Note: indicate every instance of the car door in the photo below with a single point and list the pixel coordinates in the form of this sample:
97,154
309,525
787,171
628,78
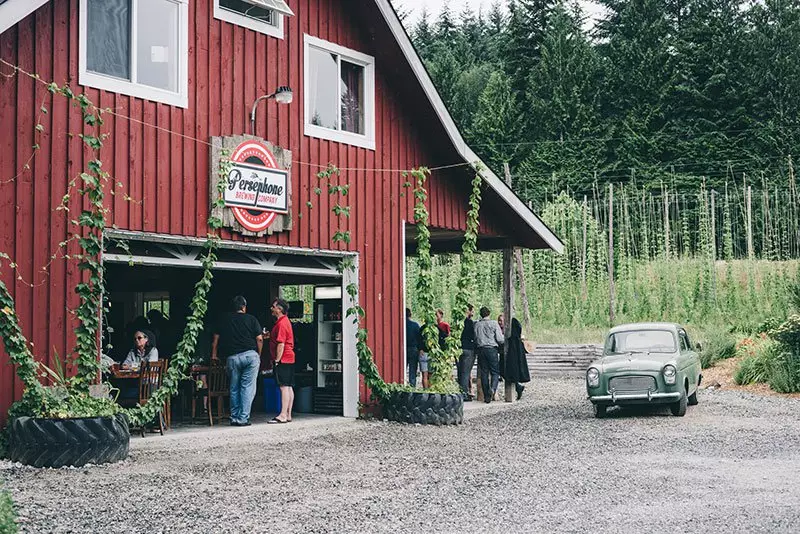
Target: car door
689,360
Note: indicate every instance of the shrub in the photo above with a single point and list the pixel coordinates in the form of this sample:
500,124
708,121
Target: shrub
757,365
8,516
785,373
718,345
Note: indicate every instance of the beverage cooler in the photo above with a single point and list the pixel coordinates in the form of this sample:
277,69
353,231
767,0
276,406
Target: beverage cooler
328,316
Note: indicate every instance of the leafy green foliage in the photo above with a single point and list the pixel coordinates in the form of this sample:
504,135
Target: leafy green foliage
440,364
757,368
464,292
8,516
654,92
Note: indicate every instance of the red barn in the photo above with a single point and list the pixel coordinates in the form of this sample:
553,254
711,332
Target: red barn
180,78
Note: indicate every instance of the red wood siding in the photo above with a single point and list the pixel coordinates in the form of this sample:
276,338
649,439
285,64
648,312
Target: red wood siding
166,174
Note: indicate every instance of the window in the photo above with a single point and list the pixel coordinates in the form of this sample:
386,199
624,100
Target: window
640,341
136,47
339,93
685,345
263,16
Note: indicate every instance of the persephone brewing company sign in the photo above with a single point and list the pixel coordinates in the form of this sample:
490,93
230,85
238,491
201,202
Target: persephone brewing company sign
257,190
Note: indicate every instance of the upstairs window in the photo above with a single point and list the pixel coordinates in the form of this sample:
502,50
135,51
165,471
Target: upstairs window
136,47
339,93
263,16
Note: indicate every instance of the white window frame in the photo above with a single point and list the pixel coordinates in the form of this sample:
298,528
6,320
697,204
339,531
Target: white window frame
351,56
273,30
131,88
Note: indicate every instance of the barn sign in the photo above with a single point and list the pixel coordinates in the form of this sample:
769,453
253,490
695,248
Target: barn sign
257,190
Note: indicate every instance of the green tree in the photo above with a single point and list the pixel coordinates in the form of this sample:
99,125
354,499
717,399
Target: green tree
637,48
708,104
774,42
498,123
564,111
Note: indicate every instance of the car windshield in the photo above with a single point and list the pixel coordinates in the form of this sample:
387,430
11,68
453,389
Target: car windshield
640,341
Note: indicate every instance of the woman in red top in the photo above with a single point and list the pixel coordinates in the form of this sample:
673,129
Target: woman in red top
281,348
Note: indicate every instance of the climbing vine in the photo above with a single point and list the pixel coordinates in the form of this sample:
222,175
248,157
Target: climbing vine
441,377
466,278
184,352
70,397
366,360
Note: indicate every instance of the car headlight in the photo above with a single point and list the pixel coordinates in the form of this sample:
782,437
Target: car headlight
593,377
670,373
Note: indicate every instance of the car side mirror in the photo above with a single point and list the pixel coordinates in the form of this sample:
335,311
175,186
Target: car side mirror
698,346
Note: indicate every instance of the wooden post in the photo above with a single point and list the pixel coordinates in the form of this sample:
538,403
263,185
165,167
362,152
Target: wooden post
584,294
750,253
713,226
508,310
509,255
611,289
666,222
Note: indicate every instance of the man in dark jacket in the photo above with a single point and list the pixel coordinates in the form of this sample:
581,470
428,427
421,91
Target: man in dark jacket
467,359
413,345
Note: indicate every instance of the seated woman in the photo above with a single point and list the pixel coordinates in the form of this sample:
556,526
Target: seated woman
143,350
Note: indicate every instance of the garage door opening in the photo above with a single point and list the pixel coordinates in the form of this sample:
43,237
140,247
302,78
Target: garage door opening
151,283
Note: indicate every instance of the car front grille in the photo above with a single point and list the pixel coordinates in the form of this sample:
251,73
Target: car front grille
625,384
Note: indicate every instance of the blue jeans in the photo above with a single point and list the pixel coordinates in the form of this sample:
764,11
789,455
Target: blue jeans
412,360
242,370
465,364
489,364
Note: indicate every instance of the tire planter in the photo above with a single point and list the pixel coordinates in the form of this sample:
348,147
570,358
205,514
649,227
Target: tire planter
68,442
424,408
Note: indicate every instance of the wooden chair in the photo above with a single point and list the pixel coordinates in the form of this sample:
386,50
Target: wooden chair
151,376
217,387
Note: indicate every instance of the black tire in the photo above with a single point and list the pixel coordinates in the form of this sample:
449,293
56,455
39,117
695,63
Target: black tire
679,408
73,442
424,408
600,410
692,400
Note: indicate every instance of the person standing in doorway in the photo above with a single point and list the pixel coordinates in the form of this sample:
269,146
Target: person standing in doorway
238,338
467,359
281,348
488,337
413,344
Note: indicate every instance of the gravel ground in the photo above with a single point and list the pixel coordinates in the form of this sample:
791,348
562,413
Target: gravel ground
732,464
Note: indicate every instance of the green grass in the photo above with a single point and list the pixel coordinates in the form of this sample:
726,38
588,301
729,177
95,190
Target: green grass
8,515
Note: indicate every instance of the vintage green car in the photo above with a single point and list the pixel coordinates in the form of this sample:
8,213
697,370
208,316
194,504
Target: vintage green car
645,363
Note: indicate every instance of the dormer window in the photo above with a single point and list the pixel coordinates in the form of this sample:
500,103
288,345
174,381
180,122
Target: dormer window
136,47
263,16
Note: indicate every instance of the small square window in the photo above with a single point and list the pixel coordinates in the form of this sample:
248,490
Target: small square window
339,94
136,47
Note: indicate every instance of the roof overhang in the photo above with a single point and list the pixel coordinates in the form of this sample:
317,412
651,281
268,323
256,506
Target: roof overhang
13,11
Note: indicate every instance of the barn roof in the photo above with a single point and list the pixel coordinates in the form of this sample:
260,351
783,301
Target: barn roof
13,11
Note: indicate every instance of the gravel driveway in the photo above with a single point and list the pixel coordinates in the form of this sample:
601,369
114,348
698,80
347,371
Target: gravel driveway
732,464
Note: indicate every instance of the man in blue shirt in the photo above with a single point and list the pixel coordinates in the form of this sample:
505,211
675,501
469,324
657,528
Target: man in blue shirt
413,344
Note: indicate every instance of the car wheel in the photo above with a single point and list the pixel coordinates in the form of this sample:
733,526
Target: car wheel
600,410
692,401
679,408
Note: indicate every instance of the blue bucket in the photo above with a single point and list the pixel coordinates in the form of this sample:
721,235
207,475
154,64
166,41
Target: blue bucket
272,396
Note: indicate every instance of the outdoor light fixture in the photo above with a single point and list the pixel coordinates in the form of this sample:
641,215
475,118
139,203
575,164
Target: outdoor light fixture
283,95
